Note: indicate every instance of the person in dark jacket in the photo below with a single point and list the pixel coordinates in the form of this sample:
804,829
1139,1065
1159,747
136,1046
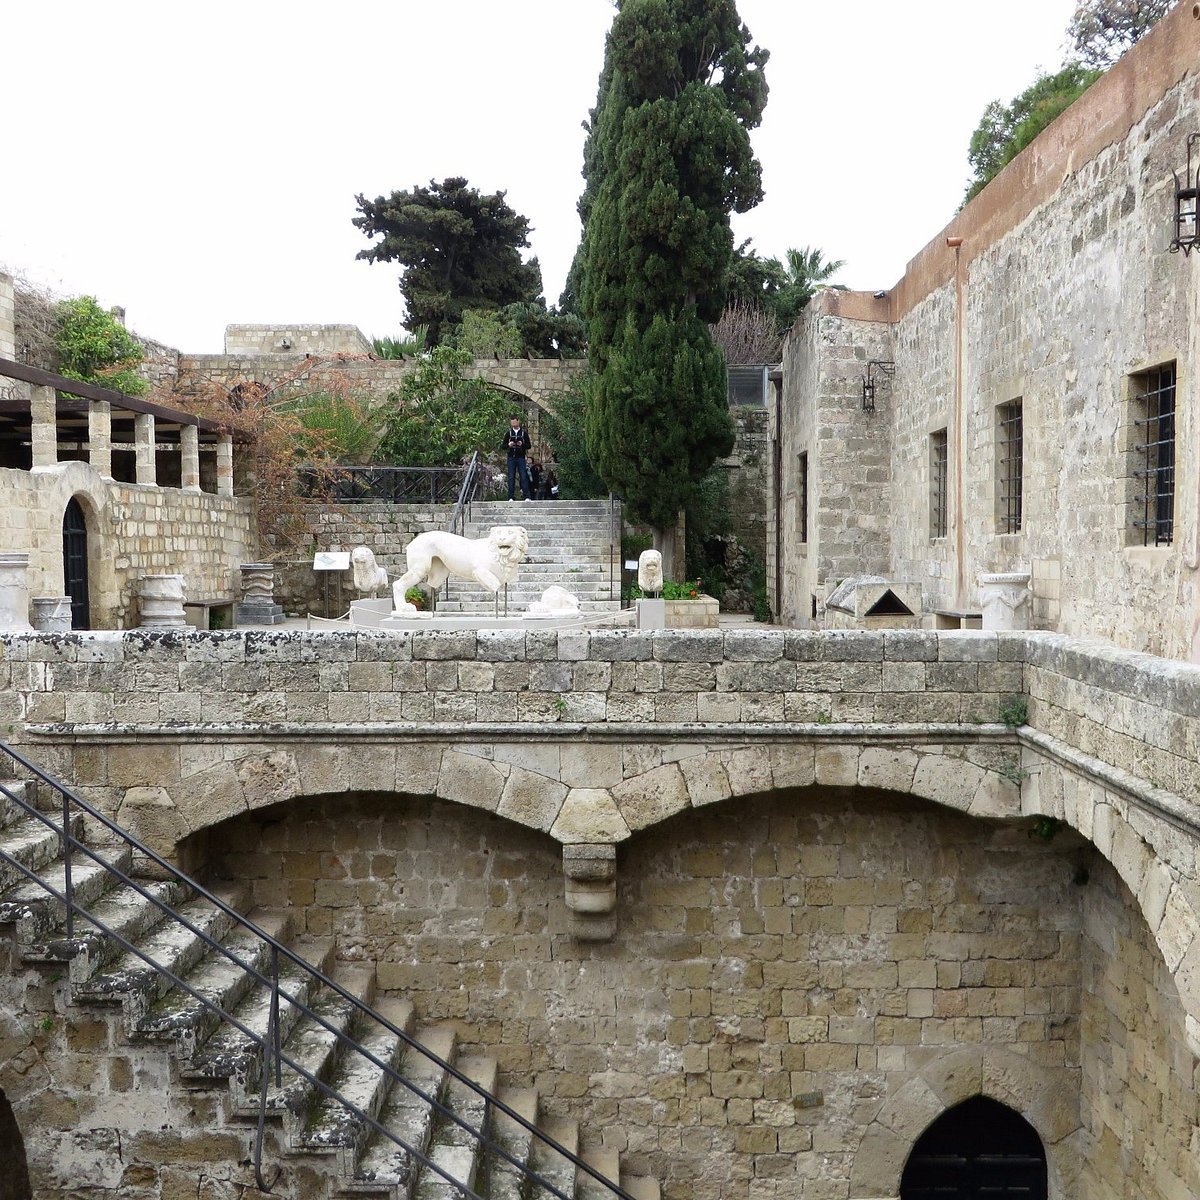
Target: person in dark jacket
517,444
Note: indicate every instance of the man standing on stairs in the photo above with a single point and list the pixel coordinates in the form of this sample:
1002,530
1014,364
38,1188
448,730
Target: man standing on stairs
517,442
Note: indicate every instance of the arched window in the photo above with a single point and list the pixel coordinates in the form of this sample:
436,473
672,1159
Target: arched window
75,564
14,1175
977,1149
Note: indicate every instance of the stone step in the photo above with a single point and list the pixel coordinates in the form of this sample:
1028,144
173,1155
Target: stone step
124,911
36,912
641,1187
552,1166
234,1057
135,985
608,1163
20,789
33,844
386,1168
312,1045
333,1128
222,981
454,1149
507,1182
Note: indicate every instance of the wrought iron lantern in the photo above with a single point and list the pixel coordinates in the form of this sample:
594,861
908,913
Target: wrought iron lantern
1187,199
870,380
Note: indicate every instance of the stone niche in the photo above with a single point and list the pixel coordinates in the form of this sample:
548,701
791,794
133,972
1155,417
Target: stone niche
872,602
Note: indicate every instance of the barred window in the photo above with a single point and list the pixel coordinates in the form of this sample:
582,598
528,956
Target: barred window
1152,456
803,498
939,467
1009,467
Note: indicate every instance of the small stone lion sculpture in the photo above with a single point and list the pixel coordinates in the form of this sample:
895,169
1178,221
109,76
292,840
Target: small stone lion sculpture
650,576
433,557
369,577
555,602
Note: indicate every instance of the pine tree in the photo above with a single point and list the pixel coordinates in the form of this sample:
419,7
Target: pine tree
667,159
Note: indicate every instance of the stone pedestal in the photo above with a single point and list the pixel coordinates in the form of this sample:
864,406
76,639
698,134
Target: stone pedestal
651,614
1004,599
14,592
52,614
257,606
161,602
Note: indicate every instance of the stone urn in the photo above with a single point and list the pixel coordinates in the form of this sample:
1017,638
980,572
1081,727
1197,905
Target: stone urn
1005,599
257,606
14,592
161,599
52,614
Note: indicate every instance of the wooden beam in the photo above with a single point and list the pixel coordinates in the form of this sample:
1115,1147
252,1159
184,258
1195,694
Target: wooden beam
89,391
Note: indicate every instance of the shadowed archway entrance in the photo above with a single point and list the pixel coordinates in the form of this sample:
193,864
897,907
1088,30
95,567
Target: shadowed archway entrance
14,1174
977,1150
75,564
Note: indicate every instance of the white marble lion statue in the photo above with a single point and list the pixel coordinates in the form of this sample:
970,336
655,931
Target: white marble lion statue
369,577
555,602
650,572
433,557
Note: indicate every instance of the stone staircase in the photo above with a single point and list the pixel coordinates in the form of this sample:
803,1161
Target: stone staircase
573,543
320,1147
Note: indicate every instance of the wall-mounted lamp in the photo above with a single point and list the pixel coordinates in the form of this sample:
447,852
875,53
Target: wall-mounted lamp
1187,196
870,382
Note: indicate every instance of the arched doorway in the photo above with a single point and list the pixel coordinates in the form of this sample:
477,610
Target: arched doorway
975,1150
14,1174
75,564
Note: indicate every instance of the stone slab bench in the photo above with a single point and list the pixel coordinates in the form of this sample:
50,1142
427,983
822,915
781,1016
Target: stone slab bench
957,618
199,611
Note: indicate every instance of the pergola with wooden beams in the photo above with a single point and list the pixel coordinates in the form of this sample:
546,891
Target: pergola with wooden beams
122,437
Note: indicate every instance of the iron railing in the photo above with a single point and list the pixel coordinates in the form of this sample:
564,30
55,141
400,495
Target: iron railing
387,485
472,480
270,1043
1154,454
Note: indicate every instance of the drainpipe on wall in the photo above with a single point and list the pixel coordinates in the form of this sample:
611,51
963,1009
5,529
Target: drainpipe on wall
1191,559
961,586
777,450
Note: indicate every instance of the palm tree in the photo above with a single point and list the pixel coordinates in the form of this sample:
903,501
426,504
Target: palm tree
807,273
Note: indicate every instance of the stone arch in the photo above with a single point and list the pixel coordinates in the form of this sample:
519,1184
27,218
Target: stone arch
58,486
14,1173
1034,1091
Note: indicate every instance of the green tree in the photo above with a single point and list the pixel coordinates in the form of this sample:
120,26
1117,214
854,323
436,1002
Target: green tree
754,280
484,334
805,273
1005,130
1102,30
563,423
667,159
547,332
459,249
437,418
94,347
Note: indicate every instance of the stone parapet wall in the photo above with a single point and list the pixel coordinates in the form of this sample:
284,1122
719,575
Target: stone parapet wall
295,339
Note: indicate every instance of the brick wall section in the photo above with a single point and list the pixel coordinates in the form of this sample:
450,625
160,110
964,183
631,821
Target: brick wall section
825,943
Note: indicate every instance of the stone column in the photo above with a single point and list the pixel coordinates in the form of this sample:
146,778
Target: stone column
258,605
161,602
143,445
43,419
189,450
225,464
100,436
52,614
14,592
591,890
1004,599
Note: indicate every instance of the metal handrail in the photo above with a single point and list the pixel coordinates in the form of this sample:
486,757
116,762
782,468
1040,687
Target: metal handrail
276,949
466,494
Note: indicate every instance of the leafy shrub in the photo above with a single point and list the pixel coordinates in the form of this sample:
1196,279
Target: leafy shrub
94,347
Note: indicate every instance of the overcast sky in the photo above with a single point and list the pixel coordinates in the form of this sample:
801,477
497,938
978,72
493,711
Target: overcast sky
197,163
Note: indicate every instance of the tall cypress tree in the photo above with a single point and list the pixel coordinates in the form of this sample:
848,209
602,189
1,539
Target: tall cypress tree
667,159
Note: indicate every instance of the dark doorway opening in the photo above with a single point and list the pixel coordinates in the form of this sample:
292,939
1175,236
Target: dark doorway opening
14,1173
75,564
978,1150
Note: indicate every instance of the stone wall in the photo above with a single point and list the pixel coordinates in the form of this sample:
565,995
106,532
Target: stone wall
295,339
780,972
1139,1096
1059,291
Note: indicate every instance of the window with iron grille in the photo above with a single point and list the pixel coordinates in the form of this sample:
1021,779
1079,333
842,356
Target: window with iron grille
804,498
939,469
1152,457
1009,467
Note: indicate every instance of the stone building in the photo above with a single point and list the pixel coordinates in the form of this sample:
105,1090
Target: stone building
1025,397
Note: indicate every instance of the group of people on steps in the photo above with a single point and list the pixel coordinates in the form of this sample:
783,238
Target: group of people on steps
536,483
